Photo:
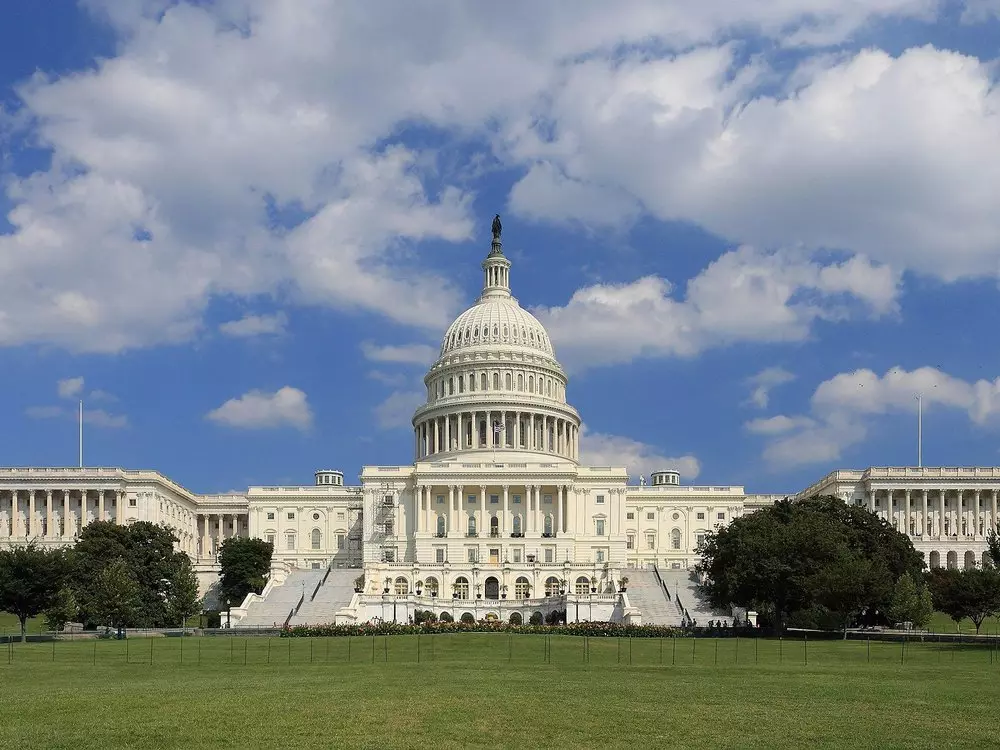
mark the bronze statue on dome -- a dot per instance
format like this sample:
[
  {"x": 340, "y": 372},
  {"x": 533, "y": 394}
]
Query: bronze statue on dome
[{"x": 497, "y": 227}]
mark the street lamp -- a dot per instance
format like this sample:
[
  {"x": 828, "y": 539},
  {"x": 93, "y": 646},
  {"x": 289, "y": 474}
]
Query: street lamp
[{"x": 229, "y": 616}]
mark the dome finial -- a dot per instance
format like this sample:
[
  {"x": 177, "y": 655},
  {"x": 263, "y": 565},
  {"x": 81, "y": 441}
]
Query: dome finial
[{"x": 497, "y": 227}]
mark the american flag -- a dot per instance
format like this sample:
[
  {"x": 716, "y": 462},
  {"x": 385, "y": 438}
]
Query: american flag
[{"x": 497, "y": 428}]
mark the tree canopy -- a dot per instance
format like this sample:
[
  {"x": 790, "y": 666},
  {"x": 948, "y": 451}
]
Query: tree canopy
[
  {"x": 244, "y": 564},
  {"x": 972, "y": 593},
  {"x": 30, "y": 580},
  {"x": 816, "y": 562}
]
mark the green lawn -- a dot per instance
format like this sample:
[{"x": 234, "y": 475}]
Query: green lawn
[{"x": 473, "y": 690}]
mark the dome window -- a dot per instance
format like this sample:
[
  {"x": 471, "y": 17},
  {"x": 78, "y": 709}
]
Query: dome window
[
  {"x": 467, "y": 332},
  {"x": 506, "y": 332},
  {"x": 496, "y": 331},
  {"x": 475, "y": 332}
]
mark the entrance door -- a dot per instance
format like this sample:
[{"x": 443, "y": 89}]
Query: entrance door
[{"x": 492, "y": 588}]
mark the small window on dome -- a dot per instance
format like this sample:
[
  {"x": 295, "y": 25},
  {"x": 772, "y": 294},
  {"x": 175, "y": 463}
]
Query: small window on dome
[
  {"x": 467, "y": 333},
  {"x": 520, "y": 382},
  {"x": 475, "y": 332},
  {"x": 506, "y": 332},
  {"x": 531, "y": 383},
  {"x": 507, "y": 382},
  {"x": 482, "y": 382},
  {"x": 461, "y": 384},
  {"x": 532, "y": 336},
  {"x": 496, "y": 381},
  {"x": 496, "y": 331}
]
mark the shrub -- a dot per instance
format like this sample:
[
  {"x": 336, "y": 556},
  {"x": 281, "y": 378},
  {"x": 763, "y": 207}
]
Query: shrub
[
  {"x": 213, "y": 619},
  {"x": 467, "y": 618},
  {"x": 536, "y": 618},
  {"x": 515, "y": 618},
  {"x": 446, "y": 617}
]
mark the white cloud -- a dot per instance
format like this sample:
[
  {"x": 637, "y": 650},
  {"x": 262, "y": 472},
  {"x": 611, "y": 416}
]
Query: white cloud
[
  {"x": 69, "y": 387},
  {"x": 597, "y": 449},
  {"x": 765, "y": 381},
  {"x": 391, "y": 379},
  {"x": 843, "y": 406},
  {"x": 260, "y": 410},
  {"x": 854, "y": 152},
  {"x": 168, "y": 158},
  {"x": 976, "y": 11},
  {"x": 410, "y": 354},
  {"x": 396, "y": 411},
  {"x": 746, "y": 295},
  {"x": 255, "y": 325}
]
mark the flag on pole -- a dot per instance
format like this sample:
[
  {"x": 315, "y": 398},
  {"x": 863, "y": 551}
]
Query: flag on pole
[{"x": 497, "y": 428}]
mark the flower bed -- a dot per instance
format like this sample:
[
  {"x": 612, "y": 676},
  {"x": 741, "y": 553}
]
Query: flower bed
[{"x": 593, "y": 629}]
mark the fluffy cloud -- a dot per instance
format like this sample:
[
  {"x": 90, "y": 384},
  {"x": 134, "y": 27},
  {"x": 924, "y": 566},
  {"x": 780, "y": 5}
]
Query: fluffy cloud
[
  {"x": 216, "y": 154},
  {"x": 597, "y": 449},
  {"x": 746, "y": 295},
  {"x": 407, "y": 354},
  {"x": 396, "y": 411},
  {"x": 69, "y": 387},
  {"x": 842, "y": 406},
  {"x": 255, "y": 325},
  {"x": 841, "y": 154},
  {"x": 765, "y": 381},
  {"x": 260, "y": 410}
]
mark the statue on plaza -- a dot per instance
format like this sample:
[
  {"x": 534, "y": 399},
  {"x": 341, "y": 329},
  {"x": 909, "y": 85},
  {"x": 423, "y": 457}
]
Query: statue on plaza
[{"x": 497, "y": 227}]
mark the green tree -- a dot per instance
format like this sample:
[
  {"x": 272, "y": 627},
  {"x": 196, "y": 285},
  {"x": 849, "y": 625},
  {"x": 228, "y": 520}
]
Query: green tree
[
  {"x": 244, "y": 564},
  {"x": 911, "y": 602},
  {"x": 972, "y": 593},
  {"x": 183, "y": 600},
  {"x": 993, "y": 548},
  {"x": 30, "y": 579},
  {"x": 149, "y": 554},
  {"x": 818, "y": 559},
  {"x": 62, "y": 609},
  {"x": 115, "y": 599}
]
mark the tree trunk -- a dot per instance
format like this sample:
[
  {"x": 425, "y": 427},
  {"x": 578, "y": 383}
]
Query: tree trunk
[{"x": 24, "y": 628}]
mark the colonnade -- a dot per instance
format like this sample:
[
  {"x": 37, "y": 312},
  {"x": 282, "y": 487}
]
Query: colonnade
[
  {"x": 497, "y": 429},
  {"x": 56, "y": 513},
  {"x": 502, "y": 511},
  {"x": 215, "y": 528},
  {"x": 937, "y": 513}
]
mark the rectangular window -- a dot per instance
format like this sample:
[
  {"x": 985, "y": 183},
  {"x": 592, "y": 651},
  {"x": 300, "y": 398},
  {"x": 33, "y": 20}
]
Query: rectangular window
[
  {"x": 290, "y": 542},
  {"x": 651, "y": 516},
  {"x": 315, "y": 566},
  {"x": 291, "y": 516},
  {"x": 600, "y": 499},
  {"x": 440, "y": 499},
  {"x": 131, "y": 502},
  {"x": 701, "y": 539},
  {"x": 548, "y": 554},
  {"x": 340, "y": 541},
  {"x": 340, "y": 516},
  {"x": 472, "y": 499},
  {"x": 600, "y": 527},
  {"x": 630, "y": 542},
  {"x": 547, "y": 499},
  {"x": 389, "y": 554},
  {"x": 516, "y": 552},
  {"x": 270, "y": 539},
  {"x": 473, "y": 554},
  {"x": 701, "y": 516},
  {"x": 387, "y": 500},
  {"x": 494, "y": 499},
  {"x": 651, "y": 541},
  {"x": 439, "y": 555},
  {"x": 721, "y": 516},
  {"x": 601, "y": 555},
  {"x": 517, "y": 499},
  {"x": 630, "y": 516},
  {"x": 270, "y": 516}
]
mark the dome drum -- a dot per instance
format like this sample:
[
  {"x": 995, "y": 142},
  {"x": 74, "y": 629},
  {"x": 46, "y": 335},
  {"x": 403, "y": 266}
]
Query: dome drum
[{"x": 665, "y": 478}]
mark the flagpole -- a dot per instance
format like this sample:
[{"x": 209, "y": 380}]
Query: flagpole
[
  {"x": 920, "y": 431},
  {"x": 81, "y": 433}
]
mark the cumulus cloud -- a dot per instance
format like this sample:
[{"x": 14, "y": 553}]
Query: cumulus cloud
[
  {"x": 407, "y": 354},
  {"x": 598, "y": 449},
  {"x": 286, "y": 407},
  {"x": 171, "y": 159},
  {"x": 255, "y": 325},
  {"x": 69, "y": 387},
  {"x": 746, "y": 295},
  {"x": 840, "y": 154},
  {"x": 764, "y": 382},
  {"x": 842, "y": 407},
  {"x": 396, "y": 411}
]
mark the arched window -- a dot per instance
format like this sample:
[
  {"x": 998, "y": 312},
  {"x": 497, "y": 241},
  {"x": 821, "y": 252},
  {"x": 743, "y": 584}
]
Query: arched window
[
  {"x": 531, "y": 384},
  {"x": 508, "y": 382},
  {"x": 520, "y": 381},
  {"x": 461, "y": 384},
  {"x": 402, "y": 587},
  {"x": 582, "y": 585},
  {"x": 482, "y": 434},
  {"x": 516, "y": 525},
  {"x": 506, "y": 332},
  {"x": 496, "y": 331},
  {"x": 935, "y": 560},
  {"x": 547, "y": 526},
  {"x": 675, "y": 539},
  {"x": 522, "y": 588},
  {"x": 431, "y": 586},
  {"x": 475, "y": 332},
  {"x": 494, "y": 526},
  {"x": 496, "y": 381},
  {"x": 482, "y": 382},
  {"x": 451, "y": 386},
  {"x": 317, "y": 538},
  {"x": 461, "y": 587},
  {"x": 551, "y": 586},
  {"x": 472, "y": 525},
  {"x": 440, "y": 524},
  {"x": 970, "y": 559}
]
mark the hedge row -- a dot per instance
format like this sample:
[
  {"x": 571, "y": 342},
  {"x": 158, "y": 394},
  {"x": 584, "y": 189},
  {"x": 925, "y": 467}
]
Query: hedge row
[{"x": 596, "y": 629}]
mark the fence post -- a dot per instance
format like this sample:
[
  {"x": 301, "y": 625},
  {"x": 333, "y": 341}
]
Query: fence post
[
  {"x": 54, "y": 647},
  {"x": 805, "y": 648},
  {"x": 151, "y": 639},
  {"x": 755, "y": 639},
  {"x": 95, "y": 652},
  {"x": 268, "y": 649},
  {"x": 780, "y": 651},
  {"x": 869, "y": 640},
  {"x": 902, "y": 650}
]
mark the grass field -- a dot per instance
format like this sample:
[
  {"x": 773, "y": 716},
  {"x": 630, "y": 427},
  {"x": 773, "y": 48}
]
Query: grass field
[{"x": 472, "y": 690}]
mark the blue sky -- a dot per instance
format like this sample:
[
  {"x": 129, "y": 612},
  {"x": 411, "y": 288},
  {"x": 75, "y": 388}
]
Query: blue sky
[{"x": 754, "y": 231}]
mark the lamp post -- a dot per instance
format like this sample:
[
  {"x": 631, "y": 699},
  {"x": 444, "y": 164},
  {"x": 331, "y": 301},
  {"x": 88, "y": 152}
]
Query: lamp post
[{"x": 229, "y": 617}]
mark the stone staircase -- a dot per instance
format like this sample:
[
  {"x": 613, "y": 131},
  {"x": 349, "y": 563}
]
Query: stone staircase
[
  {"x": 644, "y": 592},
  {"x": 335, "y": 594},
  {"x": 273, "y": 611},
  {"x": 684, "y": 592}
]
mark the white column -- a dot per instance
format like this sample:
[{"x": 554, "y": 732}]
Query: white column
[
  {"x": 30, "y": 526},
  {"x": 67, "y": 530},
  {"x": 506, "y": 511},
  {"x": 437, "y": 435},
  {"x": 17, "y": 528},
  {"x": 482, "y": 527},
  {"x": 50, "y": 531},
  {"x": 993, "y": 510},
  {"x": 100, "y": 505},
  {"x": 941, "y": 510},
  {"x": 906, "y": 512},
  {"x": 447, "y": 433},
  {"x": 450, "y": 517},
  {"x": 961, "y": 512},
  {"x": 924, "y": 521}
]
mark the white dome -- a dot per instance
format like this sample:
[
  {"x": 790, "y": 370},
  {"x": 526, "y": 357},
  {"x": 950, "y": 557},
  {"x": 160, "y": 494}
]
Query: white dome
[{"x": 497, "y": 323}]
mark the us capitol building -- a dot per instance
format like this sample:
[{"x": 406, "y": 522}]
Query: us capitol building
[{"x": 495, "y": 517}]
